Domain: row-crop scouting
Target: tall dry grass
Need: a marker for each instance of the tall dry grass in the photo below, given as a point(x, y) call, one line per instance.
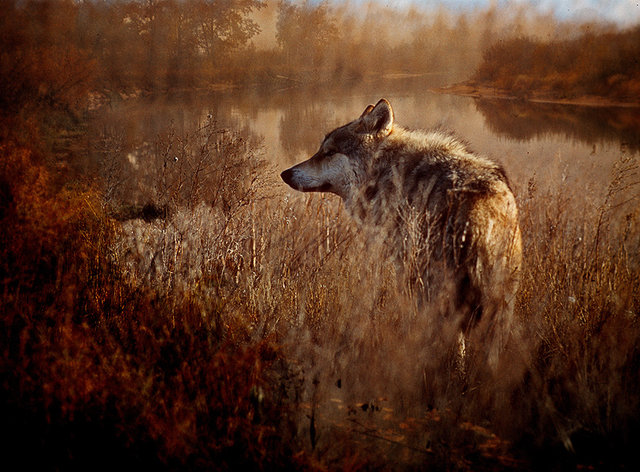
point(238, 325)
point(295, 270)
point(101, 370)
point(580, 301)
point(194, 315)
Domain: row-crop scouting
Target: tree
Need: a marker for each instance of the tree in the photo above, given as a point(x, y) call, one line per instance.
point(306, 33)
point(224, 26)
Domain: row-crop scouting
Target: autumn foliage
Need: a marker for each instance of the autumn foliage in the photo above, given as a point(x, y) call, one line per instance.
point(225, 326)
point(96, 371)
point(603, 64)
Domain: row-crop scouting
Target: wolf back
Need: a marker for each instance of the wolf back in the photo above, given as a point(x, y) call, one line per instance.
point(430, 197)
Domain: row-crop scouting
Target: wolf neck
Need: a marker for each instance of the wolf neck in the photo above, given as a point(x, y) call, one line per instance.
point(402, 158)
point(376, 186)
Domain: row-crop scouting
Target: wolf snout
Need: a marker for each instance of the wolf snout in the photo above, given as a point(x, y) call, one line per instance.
point(287, 176)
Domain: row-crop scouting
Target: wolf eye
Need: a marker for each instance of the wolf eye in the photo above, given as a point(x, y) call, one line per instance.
point(329, 150)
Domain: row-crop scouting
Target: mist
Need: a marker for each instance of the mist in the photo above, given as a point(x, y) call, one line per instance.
point(166, 301)
point(170, 45)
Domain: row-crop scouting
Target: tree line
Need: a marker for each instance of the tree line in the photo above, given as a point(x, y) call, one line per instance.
point(604, 63)
point(54, 49)
point(56, 54)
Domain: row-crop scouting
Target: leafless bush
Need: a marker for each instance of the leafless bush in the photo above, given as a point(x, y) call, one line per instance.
point(211, 164)
point(370, 370)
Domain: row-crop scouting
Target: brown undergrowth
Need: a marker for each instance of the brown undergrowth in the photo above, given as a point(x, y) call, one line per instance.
point(241, 326)
point(184, 312)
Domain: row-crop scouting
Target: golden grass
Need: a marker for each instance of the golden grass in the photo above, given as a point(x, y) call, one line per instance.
point(258, 329)
point(216, 323)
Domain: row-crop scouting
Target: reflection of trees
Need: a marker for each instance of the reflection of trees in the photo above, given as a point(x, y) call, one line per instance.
point(526, 120)
point(307, 116)
point(302, 126)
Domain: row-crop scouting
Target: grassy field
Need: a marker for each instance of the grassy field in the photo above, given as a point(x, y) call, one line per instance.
point(217, 322)
point(226, 326)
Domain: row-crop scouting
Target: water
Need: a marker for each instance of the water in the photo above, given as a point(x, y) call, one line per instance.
point(573, 145)
point(569, 151)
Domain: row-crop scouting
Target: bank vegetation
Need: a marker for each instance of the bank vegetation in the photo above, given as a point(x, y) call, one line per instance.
point(228, 325)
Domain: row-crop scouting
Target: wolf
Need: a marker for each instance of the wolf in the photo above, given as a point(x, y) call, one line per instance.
point(445, 211)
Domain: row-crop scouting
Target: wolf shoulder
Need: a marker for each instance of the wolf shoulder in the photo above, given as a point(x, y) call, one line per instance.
point(437, 158)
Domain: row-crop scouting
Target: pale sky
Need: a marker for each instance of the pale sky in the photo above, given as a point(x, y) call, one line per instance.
point(622, 12)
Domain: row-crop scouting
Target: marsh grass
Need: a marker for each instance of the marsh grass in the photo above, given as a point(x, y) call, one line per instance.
point(367, 358)
point(243, 326)
point(185, 312)
point(579, 300)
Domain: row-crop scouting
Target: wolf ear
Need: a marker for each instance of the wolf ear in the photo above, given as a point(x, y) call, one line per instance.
point(366, 111)
point(379, 120)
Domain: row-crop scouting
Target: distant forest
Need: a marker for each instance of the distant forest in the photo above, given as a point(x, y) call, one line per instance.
point(605, 64)
point(56, 54)
point(53, 51)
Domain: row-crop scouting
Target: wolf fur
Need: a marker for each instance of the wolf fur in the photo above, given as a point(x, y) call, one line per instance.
point(445, 211)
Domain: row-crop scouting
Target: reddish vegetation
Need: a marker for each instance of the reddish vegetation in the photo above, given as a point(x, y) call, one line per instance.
point(95, 371)
point(98, 372)
point(592, 65)
point(237, 331)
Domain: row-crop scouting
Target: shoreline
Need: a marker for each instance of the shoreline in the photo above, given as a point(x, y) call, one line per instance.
point(487, 92)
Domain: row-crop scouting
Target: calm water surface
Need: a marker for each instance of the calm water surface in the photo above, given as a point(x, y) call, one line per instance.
point(575, 146)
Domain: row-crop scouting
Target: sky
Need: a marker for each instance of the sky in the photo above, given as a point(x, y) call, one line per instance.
point(622, 12)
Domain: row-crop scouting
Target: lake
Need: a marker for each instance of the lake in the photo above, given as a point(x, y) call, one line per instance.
point(552, 144)
point(348, 349)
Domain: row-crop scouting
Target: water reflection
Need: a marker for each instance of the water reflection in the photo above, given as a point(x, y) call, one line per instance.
point(525, 121)
point(553, 142)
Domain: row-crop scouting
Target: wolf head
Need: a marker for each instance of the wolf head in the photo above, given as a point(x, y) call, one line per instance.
point(340, 165)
